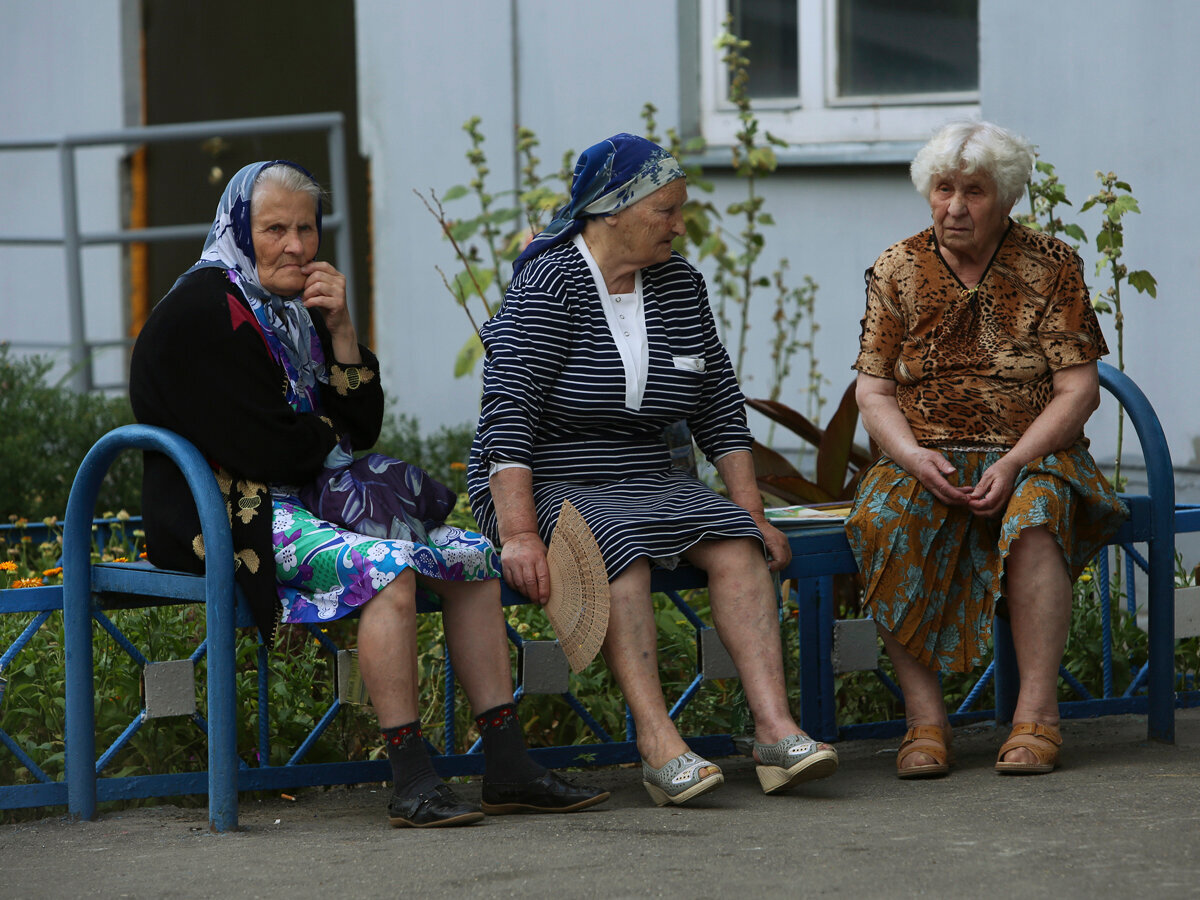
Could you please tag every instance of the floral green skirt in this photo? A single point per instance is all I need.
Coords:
(932, 574)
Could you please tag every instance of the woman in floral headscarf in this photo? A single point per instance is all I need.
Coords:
(604, 339)
(253, 357)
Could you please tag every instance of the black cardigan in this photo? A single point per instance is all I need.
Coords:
(201, 368)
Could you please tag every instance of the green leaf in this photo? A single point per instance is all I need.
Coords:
(1074, 231)
(470, 353)
(1144, 282)
(766, 219)
(473, 281)
(460, 231)
(502, 215)
(459, 190)
(1056, 194)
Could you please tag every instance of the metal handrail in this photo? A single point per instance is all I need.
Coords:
(73, 240)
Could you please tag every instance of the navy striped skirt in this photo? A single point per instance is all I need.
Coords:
(658, 516)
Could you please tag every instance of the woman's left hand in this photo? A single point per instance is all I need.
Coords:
(779, 551)
(990, 496)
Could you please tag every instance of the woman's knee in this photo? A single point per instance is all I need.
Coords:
(633, 580)
(1035, 546)
(399, 596)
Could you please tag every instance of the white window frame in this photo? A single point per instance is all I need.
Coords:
(818, 117)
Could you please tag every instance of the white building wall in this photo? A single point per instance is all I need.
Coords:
(1096, 85)
(422, 74)
(1116, 87)
(61, 70)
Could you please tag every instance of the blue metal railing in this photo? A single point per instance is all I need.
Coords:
(72, 239)
(818, 554)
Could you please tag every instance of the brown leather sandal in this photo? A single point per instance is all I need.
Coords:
(930, 740)
(1042, 741)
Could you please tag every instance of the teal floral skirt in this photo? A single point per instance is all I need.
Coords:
(933, 575)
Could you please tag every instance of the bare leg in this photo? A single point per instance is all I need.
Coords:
(631, 651)
(474, 623)
(387, 651)
(746, 617)
(923, 701)
(1038, 589)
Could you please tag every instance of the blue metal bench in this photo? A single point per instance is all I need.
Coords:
(818, 554)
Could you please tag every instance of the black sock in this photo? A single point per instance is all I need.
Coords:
(506, 758)
(412, 771)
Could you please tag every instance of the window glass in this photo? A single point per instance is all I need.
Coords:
(888, 47)
(770, 27)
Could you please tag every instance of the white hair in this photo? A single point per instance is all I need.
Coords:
(287, 178)
(969, 147)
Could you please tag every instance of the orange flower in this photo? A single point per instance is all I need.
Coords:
(458, 467)
(50, 573)
(8, 566)
(27, 582)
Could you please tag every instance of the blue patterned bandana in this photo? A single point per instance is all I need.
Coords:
(230, 246)
(609, 176)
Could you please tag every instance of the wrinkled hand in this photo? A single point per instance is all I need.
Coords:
(990, 495)
(932, 469)
(779, 551)
(325, 289)
(523, 559)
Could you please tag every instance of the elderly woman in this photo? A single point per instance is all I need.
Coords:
(605, 337)
(977, 372)
(253, 357)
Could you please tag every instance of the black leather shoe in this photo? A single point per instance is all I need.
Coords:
(436, 808)
(551, 793)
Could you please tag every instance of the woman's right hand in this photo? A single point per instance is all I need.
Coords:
(523, 559)
(886, 424)
(932, 469)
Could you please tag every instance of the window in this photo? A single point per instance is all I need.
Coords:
(849, 78)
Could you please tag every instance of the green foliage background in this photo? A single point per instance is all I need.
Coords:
(48, 430)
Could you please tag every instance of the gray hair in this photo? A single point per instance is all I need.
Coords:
(287, 178)
(972, 146)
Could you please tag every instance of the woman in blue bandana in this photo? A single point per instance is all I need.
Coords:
(253, 357)
(604, 339)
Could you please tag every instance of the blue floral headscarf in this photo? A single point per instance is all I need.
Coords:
(609, 176)
(230, 246)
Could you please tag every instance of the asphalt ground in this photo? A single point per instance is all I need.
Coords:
(1121, 817)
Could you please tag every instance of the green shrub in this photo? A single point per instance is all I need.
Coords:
(48, 429)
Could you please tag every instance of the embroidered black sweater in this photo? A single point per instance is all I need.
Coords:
(202, 368)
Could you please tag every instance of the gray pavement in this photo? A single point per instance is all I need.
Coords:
(1120, 817)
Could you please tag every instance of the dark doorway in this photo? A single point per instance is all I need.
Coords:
(230, 59)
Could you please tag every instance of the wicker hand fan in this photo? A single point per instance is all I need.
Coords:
(579, 595)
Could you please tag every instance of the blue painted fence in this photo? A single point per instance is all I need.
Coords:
(818, 555)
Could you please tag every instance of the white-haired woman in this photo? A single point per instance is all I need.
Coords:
(977, 372)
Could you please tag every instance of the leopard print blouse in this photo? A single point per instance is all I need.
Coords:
(977, 366)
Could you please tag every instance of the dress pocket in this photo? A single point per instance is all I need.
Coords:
(689, 363)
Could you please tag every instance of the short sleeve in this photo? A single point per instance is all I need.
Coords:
(882, 327)
(1069, 332)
